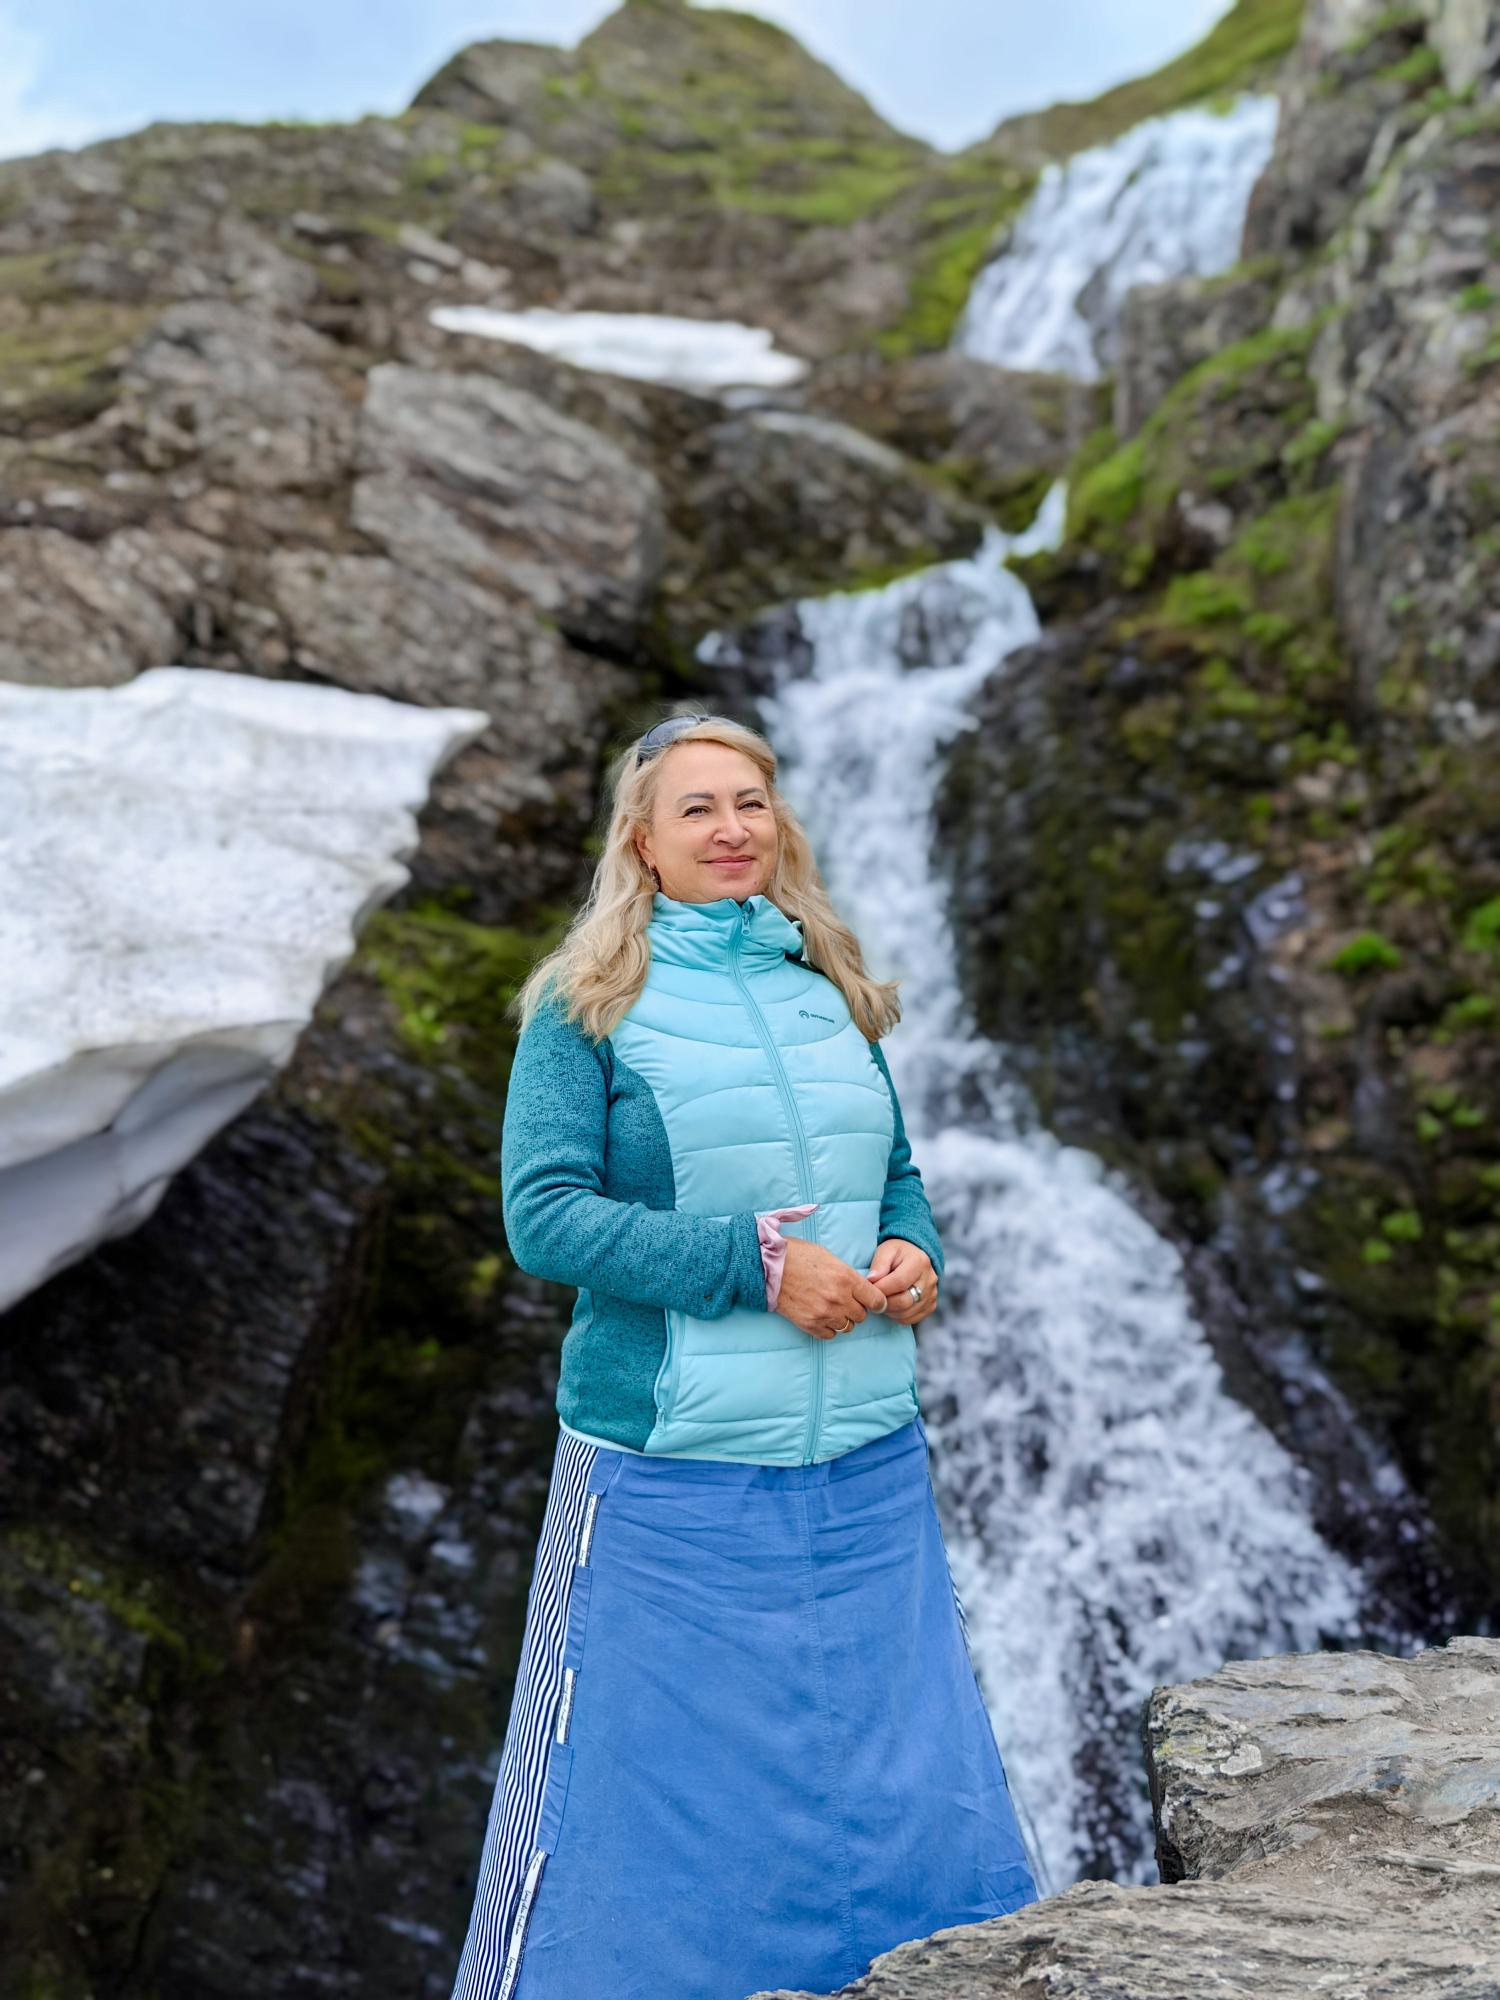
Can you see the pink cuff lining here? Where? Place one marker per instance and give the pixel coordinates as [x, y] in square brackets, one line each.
[773, 1244]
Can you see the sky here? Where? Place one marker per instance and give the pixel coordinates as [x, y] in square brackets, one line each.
[947, 70]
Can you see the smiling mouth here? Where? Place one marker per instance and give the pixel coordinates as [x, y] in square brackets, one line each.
[738, 861]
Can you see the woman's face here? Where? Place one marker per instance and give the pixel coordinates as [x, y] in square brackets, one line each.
[713, 833]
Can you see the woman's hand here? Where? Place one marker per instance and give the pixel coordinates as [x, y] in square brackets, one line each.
[820, 1292]
[895, 1267]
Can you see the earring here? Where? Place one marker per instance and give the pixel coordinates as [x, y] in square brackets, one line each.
[655, 877]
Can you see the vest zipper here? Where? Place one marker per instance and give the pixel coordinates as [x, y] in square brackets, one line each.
[815, 1410]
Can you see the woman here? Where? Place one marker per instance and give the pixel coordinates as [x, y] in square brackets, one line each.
[747, 1748]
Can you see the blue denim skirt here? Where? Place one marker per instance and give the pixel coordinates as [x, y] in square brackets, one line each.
[746, 1748]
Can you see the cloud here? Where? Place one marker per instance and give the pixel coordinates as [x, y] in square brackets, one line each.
[28, 127]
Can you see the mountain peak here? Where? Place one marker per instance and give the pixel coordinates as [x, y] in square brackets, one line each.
[661, 69]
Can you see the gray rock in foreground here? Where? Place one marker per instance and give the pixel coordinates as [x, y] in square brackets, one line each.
[1339, 1817]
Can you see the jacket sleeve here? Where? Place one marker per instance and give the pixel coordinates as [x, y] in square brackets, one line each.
[904, 1208]
[561, 1225]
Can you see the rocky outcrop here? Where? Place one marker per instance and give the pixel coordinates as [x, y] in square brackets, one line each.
[1000, 435]
[466, 477]
[1327, 1823]
[777, 494]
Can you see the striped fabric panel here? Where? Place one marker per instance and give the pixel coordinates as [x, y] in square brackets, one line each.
[511, 1863]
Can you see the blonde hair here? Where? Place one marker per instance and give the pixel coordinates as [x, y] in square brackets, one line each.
[599, 968]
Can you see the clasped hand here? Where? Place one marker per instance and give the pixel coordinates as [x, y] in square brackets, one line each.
[825, 1296]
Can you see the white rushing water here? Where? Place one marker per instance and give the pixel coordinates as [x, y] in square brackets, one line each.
[1114, 1518]
[1167, 199]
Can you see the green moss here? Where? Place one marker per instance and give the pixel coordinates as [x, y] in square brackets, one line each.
[838, 198]
[1483, 118]
[1474, 1010]
[1275, 542]
[432, 170]
[1013, 498]
[574, 85]
[37, 277]
[1151, 931]
[1261, 622]
[1369, 952]
[1312, 441]
[449, 979]
[968, 226]
[878, 576]
[1222, 692]
[1273, 348]
[1203, 597]
[135, 1597]
[1421, 66]
[1269, 630]
[1485, 357]
[62, 365]
[1481, 932]
[1149, 728]
[1254, 404]
[397, 1391]
[1105, 484]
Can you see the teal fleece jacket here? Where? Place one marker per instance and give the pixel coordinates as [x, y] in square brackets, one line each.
[589, 1200]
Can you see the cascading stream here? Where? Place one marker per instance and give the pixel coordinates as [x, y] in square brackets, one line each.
[1115, 1518]
[1165, 200]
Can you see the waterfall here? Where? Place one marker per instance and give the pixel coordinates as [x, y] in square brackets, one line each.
[1113, 1517]
[1167, 199]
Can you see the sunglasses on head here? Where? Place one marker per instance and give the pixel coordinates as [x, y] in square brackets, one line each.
[663, 733]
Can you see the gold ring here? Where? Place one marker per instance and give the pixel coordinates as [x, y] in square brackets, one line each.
[845, 1327]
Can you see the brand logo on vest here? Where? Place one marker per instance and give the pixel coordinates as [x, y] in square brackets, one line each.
[808, 1015]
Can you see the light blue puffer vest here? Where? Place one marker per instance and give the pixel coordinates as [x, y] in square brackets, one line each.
[770, 1096]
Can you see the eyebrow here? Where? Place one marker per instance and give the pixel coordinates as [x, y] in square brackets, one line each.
[682, 801]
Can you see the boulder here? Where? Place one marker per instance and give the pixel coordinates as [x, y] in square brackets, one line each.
[1329, 1824]
[465, 477]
